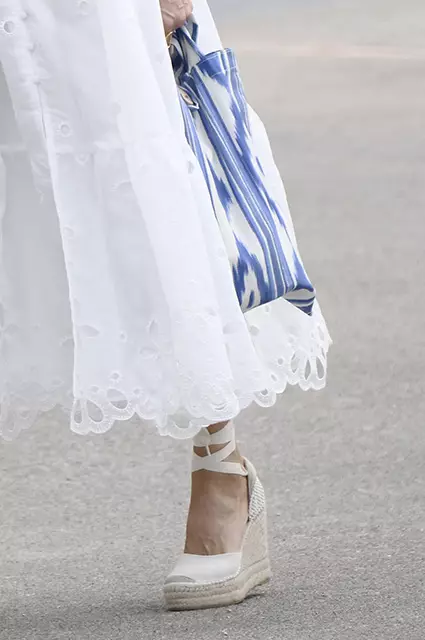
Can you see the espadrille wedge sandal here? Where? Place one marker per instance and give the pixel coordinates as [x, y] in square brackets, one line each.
[200, 582]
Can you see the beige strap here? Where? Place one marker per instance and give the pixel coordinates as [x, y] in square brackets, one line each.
[217, 461]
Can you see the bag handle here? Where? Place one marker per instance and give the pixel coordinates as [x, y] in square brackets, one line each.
[187, 37]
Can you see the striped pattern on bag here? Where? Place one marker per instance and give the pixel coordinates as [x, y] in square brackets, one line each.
[265, 263]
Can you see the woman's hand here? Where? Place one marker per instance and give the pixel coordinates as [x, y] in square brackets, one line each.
[175, 13]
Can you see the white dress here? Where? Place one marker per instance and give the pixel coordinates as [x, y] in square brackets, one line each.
[116, 296]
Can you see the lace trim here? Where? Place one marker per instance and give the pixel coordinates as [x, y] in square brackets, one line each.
[302, 363]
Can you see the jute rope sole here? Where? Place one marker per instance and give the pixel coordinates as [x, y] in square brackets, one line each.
[232, 591]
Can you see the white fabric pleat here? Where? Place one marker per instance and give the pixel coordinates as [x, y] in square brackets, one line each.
[116, 293]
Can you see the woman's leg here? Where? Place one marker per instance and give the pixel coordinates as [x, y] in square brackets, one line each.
[226, 553]
[218, 510]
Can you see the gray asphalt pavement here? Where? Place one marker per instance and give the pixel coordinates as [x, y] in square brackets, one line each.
[89, 527]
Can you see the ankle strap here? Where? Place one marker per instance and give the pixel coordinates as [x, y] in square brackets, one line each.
[217, 461]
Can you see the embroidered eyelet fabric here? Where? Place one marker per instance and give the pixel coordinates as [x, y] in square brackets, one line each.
[116, 295]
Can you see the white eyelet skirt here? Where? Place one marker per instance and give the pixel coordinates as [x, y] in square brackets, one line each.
[116, 296]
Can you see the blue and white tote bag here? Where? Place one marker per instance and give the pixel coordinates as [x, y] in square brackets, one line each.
[265, 263]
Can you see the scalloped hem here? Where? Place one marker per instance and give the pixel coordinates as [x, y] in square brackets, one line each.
[292, 349]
